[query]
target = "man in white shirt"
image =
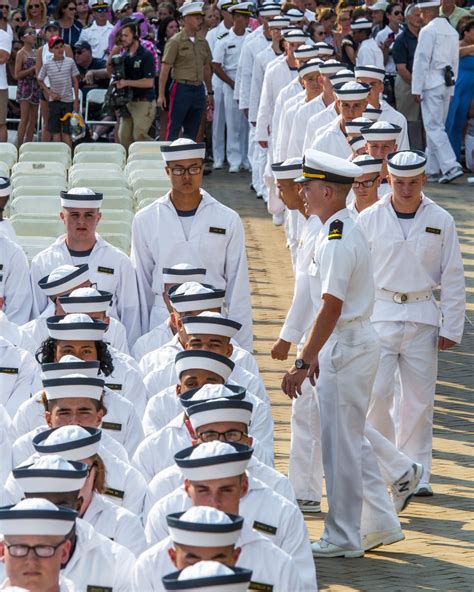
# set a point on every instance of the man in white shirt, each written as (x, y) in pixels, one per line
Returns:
(97, 33)
(368, 51)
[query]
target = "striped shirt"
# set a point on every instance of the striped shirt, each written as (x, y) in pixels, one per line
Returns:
(60, 74)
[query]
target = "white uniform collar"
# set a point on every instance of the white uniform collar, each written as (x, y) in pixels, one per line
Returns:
(206, 199)
(386, 200)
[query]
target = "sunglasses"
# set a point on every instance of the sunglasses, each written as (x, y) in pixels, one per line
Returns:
(397, 12)
(4, 6)
(73, 8)
(100, 10)
(35, 5)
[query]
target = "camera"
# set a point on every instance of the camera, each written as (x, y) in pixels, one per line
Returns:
(449, 79)
(116, 99)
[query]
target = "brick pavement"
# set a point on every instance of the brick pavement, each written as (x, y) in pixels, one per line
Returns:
(438, 552)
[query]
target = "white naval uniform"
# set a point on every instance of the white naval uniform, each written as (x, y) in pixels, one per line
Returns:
(289, 96)
(370, 54)
(333, 140)
(157, 451)
(109, 268)
(357, 497)
(316, 123)
(299, 125)
(226, 53)
(7, 230)
(152, 340)
(393, 116)
(437, 47)
(409, 332)
(216, 242)
(65, 585)
(266, 511)
(15, 287)
(272, 568)
(6, 440)
(116, 523)
(171, 478)
(17, 370)
(97, 37)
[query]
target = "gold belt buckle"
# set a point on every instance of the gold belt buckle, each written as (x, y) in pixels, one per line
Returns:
(400, 298)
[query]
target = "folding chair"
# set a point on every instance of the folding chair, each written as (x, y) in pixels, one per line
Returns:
(45, 147)
(97, 96)
(99, 184)
(35, 226)
(53, 182)
(144, 165)
(157, 175)
(108, 226)
(45, 156)
(117, 215)
(4, 170)
(8, 154)
(38, 168)
(146, 147)
(33, 190)
(150, 155)
(100, 147)
(32, 245)
(145, 193)
(112, 157)
(160, 186)
(35, 205)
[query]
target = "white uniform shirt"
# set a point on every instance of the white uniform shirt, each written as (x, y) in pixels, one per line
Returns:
(227, 52)
(299, 125)
(211, 39)
(216, 242)
(97, 37)
(393, 116)
(109, 268)
(15, 287)
(437, 47)
(380, 39)
(261, 61)
(7, 230)
(266, 511)
(288, 101)
(370, 54)
(6, 440)
(17, 369)
(432, 248)
(318, 122)
(332, 140)
(255, 43)
(152, 340)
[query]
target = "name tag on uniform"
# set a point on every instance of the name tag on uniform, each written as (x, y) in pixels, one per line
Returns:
(9, 370)
(231, 47)
(113, 387)
(108, 270)
(261, 587)
(266, 528)
(109, 425)
(216, 230)
(114, 492)
(99, 589)
(433, 230)
(1, 266)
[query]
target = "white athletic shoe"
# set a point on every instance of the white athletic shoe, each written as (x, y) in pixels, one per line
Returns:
(452, 174)
(278, 219)
(218, 165)
(383, 537)
(405, 487)
(309, 506)
(234, 169)
(324, 549)
(424, 490)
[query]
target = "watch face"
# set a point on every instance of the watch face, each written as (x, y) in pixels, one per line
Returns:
(299, 364)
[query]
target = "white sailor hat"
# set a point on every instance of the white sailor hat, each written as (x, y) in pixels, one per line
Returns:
(368, 163)
(354, 126)
(269, 9)
(331, 67)
(309, 67)
(428, 3)
(245, 8)
(86, 300)
(361, 23)
(279, 22)
(192, 296)
(204, 526)
(295, 36)
(288, 169)
(70, 365)
(220, 410)
(372, 113)
(213, 460)
(342, 76)
(381, 130)
(75, 327)
(208, 576)
(294, 14)
(210, 323)
(321, 165)
(5, 187)
(64, 278)
(324, 49)
(99, 4)
(196, 359)
(182, 273)
(351, 91)
(380, 5)
(71, 442)
(406, 163)
(357, 143)
(211, 392)
(36, 517)
(190, 8)
(369, 72)
(50, 474)
(306, 51)
(81, 197)
(183, 148)
(72, 386)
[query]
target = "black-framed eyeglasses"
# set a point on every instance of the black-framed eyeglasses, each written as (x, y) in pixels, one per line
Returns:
(41, 551)
(2, 6)
(35, 5)
(367, 184)
(193, 170)
(227, 436)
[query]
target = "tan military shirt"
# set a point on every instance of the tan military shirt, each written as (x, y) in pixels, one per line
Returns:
(187, 58)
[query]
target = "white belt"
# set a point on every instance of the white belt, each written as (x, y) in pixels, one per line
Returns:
(403, 297)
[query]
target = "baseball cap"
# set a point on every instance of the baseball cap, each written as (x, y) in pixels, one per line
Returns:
(83, 45)
(54, 40)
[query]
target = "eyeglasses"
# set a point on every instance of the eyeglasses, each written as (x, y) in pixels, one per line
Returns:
(35, 5)
(367, 184)
(41, 551)
(18, 19)
(71, 8)
(2, 6)
(397, 12)
(179, 172)
(228, 436)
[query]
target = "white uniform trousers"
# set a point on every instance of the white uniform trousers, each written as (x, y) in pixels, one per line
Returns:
(392, 463)
(260, 162)
(218, 122)
(237, 130)
(357, 497)
(274, 204)
(412, 348)
(434, 110)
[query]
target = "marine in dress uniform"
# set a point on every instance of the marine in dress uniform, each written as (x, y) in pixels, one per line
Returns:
(16, 299)
(97, 33)
(406, 225)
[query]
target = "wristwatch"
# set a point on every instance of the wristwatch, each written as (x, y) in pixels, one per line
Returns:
(210, 93)
(300, 364)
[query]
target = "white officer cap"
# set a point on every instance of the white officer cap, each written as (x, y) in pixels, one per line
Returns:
(352, 91)
(380, 5)
(357, 143)
(361, 23)
(182, 273)
(64, 279)
(306, 51)
(428, 3)
(219, 410)
(245, 8)
(50, 474)
(75, 327)
(321, 165)
(71, 442)
(368, 163)
(288, 169)
(211, 392)
(279, 22)
(406, 163)
(331, 67)
(295, 36)
(381, 130)
(192, 296)
(70, 365)
(372, 113)
(190, 8)
(369, 72)
(269, 9)
(354, 126)
(213, 460)
(119, 4)
(324, 49)
(86, 300)
(36, 517)
(82, 198)
(5, 187)
(203, 526)
(194, 359)
(210, 323)
(208, 576)
(342, 77)
(294, 14)
(224, 4)
(72, 386)
(99, 4)
(183, 148)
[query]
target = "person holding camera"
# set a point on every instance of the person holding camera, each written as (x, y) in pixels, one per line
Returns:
(435, 68)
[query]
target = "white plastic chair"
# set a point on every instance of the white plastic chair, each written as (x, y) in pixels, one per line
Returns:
(99, 184)
(31, 205)
(110, 226)
(4, 170)
(121, 241)
(97, 96)
(8, 154)
(33, 190)
(151, 155)
(144, 165)
(145, 202)
(100, 147)
(32, 245)
(107, 157)
(160, 186)
(38, 168)
(53, 182)
(46, 157)
(117, 215)
(35, 226)
(45, 147)
(147, 147)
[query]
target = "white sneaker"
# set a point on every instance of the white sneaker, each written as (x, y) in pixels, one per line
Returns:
(432, 178)
(324, 549)
(234, 169)
(383, 537)
(405, 487)
(278, 219)
(218, 165)
(452, 174)
(424, 490)
(309, 506)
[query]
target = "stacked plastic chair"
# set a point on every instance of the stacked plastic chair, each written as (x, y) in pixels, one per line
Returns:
(146, 173)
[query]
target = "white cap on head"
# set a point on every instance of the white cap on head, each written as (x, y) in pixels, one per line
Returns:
(99, 3)
(370, 72)
(368, 163)
(210, 323)
(279, 22)
(70, 365)
(295, 36)
(381, 130)
(342, 77)
(245, 8)
(190, 8)
(309, 67)
(183, 148)
(361, 23)
(71, 386)
(352, 91)
(324, 49)
(354, 126)
(294, 14)
(36, 517)
(82, 198)
(331, 67)
(372, 113)
(208, 576)
(213, 460)
(319, 165)
(269, 9)
(192, 296)
(182, 273)
(50, 474)
(76, 327)
(380, 5)
(406, 163)
(220, 411)
(64, 278)
(306, 51)
(86, 300)
(117, 5)
(357, 143)
(288, 169)
(203, 360)
(70, 442)
(428, 3)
